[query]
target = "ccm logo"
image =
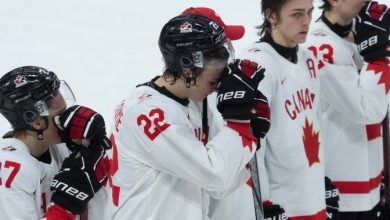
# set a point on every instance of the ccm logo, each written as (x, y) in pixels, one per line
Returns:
(368, 43)
(331, 193)
(231, 95)
(69, 190)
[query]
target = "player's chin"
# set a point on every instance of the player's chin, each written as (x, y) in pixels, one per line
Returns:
(199, 98)
(301, 37)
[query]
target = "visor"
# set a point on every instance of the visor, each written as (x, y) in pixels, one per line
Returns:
(41, 107)
(198, 60)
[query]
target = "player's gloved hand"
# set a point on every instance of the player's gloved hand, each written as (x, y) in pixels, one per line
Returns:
(372, 31)
(82, 174)
(274, 211)
(78, 125)
(332, 200)
(237, 90)
(262, 123)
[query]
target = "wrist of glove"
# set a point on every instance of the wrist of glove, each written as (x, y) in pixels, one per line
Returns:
(332, 200)
(261, 123)
(82, 174)
(274, 211)
(237, 89)
(79, 125)
(372, 28)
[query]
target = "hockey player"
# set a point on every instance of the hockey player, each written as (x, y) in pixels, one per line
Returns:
(293, 181)
(355, 97)
(32, 100)
(160, 169)
(209, 120)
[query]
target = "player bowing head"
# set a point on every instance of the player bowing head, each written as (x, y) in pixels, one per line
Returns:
(195, 52)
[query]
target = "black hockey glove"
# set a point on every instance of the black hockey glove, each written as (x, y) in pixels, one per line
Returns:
(261, 124)
(332, 200)
(237, 90)
(274, 212)
(82, 174)
(78, 125)
(372, 28)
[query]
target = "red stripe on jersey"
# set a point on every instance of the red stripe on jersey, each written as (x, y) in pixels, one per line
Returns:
(249, 183)
(358, 187)
(373, 131)
(321, 215)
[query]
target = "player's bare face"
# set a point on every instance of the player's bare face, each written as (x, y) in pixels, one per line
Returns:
(348, 9)
(292, 25)
(206, 83)
(56, 106)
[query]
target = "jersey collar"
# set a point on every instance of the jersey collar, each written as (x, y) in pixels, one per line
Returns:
(340, 30)
(165, 91)
(288, 53)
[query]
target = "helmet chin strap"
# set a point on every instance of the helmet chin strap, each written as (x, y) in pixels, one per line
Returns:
(40, 131)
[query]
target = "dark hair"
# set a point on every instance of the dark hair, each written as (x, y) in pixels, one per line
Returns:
(325, 5)
(220, 54)
(275, 7)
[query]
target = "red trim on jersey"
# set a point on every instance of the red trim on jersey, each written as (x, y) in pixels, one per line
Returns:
(358, 187)
(244, 130)
(321, 215)
(56, 212)
(373, 131)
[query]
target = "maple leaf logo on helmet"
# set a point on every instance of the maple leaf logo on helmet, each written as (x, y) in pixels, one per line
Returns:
(185, 27)
(20, 81)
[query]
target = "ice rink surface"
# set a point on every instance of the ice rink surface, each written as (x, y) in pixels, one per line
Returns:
(102, 48)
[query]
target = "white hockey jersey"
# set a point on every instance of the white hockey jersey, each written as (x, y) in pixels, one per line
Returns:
(353, 105)
(293, 146)
(160, 169)
(238, 204)
(25, 182)
(58, 154)
(21, 180)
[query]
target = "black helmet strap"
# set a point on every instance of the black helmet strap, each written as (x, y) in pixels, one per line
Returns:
(40, 131)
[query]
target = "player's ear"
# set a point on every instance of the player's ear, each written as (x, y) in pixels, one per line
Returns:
(187, 72)
(39, 123)
(334, 2)
(271, 17)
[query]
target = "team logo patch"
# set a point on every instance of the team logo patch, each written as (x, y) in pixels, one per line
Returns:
(319, 34)
(254, 50)
(144, 96)
(20, 81)
(9, 148)
(185, 27)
